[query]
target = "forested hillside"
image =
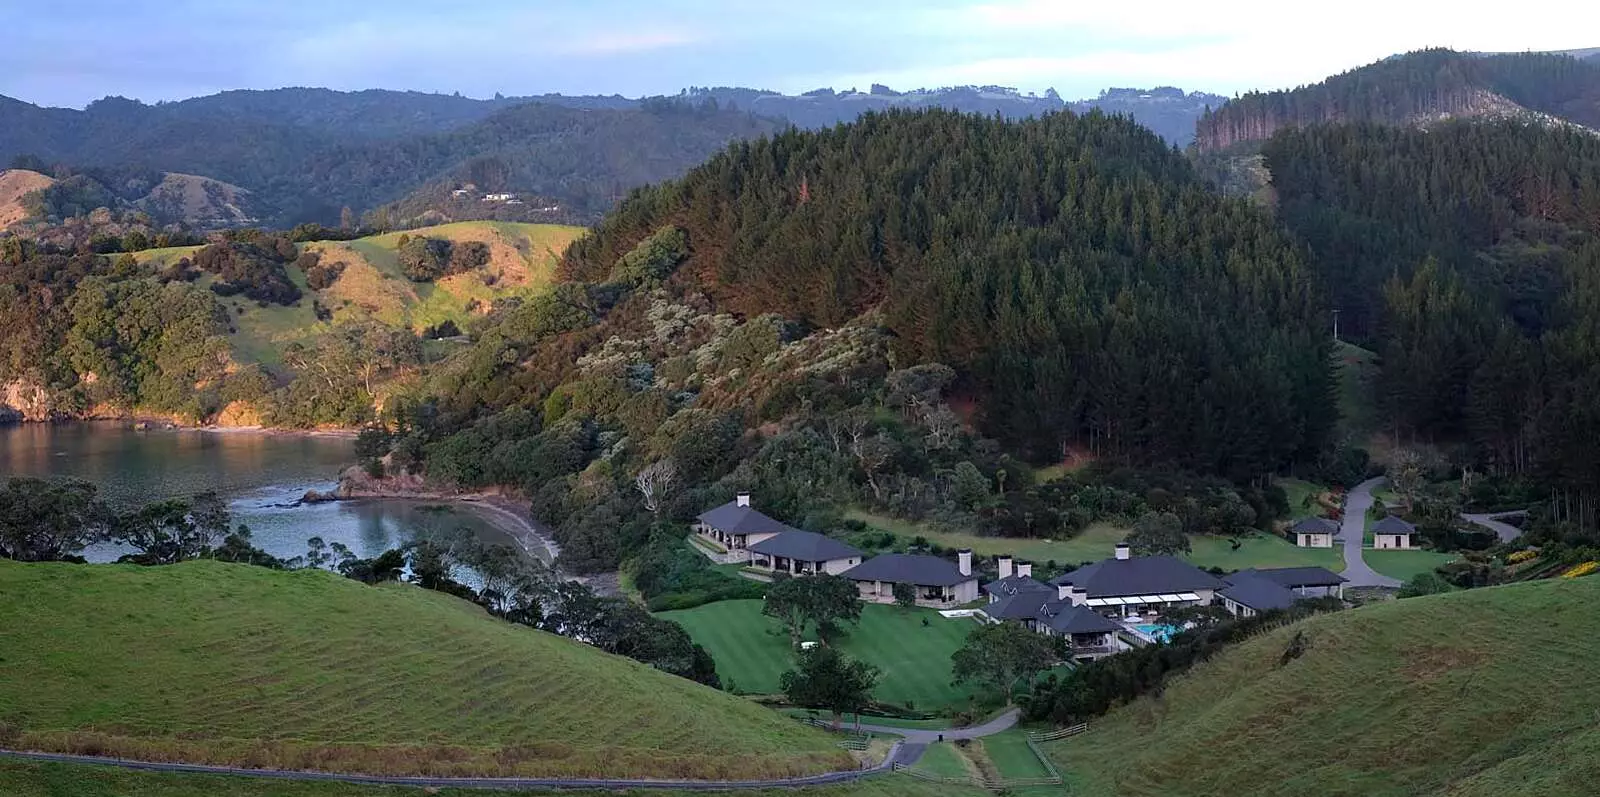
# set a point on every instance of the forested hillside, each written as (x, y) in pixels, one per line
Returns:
(899, 313)
(303, 163)
(1466, 255)
(1415, 88)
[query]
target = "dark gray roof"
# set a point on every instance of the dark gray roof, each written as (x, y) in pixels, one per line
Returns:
(1393, 525)
(1064, 618)
(1139, 575)
(1258, 593)
(1293, 577)
(903, 568)
(735, 519)
(1020, 606)
(1011, 585)
(1315, 525)
(807, 546)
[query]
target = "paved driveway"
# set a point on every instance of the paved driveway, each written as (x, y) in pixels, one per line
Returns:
(1353, 531)
(914, 736)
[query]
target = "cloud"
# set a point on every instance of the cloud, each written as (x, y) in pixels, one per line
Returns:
(1224, 45)
(614, 42)
(632, 47)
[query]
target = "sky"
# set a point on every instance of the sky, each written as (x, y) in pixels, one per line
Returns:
(70, 53)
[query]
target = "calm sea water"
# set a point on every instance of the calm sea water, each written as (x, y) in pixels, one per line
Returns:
(261, 475)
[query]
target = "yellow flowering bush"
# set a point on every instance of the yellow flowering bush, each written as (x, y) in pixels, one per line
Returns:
(1521, 556)
(1583, 569)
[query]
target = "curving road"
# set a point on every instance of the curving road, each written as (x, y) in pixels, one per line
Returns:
(1353, 531)
(906, 752)
(1495, 523)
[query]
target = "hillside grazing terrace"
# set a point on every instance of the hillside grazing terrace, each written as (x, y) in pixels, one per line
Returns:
(1483, 692)
(213, 663)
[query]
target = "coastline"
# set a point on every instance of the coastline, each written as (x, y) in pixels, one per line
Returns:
(142, 424)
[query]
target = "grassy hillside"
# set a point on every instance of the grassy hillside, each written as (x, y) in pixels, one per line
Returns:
(53, 780)
(1484, 692)
(522, 262)
(213, 663)
(14, 185)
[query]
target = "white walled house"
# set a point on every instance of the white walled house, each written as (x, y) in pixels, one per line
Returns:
(1250, 592)
(772, 545)
(737, 525)
(1392, 532)
(1314, 532)
(802, 553)
(1128, 585)
(1048, 610)
(939, 583)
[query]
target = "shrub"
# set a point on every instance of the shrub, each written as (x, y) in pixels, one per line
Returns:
(425, 259)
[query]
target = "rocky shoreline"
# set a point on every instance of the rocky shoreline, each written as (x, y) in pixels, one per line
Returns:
(511, 514)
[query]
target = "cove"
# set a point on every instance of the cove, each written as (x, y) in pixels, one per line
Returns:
(261, 474)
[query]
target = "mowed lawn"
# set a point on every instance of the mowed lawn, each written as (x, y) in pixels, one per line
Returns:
(206, 662)
(1099, 541)
(1404, 565)
(752, 651)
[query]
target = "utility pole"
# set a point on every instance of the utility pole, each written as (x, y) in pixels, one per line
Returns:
(1336, 325)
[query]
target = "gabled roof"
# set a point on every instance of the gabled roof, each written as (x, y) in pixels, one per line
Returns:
(1393, 525)
(1315, 525)
(1020, 606)
(1293, 577)
(1012, 585)
(1064, 618)
(1139, 575)
(806, 546)
(734, 519)
(1258, 593)
(902, 568)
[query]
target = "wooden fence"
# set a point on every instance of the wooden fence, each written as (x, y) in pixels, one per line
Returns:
(854, 740)
(1059, 733)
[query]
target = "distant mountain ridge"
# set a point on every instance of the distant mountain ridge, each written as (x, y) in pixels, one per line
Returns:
(1416, 88)
(305, 153)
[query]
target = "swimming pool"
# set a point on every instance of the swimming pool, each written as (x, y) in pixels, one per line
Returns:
(1157, 631)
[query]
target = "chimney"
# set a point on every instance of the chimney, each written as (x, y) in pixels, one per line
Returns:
(964, 561)
(1024, 570)
(743, 499)
(1005, 566)
(1123, 552)
(1063, 592)
(1077, 595)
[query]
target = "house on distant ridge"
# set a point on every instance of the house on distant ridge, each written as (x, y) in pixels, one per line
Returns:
(1314, 532)
(1392, 532)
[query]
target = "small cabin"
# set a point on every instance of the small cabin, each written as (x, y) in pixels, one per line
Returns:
(1392, 532)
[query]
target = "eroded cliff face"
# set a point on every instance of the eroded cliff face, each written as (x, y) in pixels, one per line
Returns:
(27, 401)
(22, 401)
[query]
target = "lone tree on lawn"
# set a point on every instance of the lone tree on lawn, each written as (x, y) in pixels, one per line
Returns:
(1002, 654)
(825, 678)
(905, 595)
(821, 599)
(1158, 534)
